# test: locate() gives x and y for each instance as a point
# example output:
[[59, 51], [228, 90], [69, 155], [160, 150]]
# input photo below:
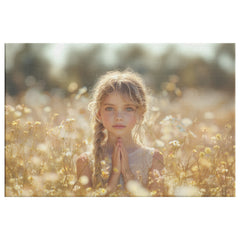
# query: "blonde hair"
[[126, 83]]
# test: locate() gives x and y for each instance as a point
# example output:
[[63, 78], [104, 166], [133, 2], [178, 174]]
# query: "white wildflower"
[[82, 90], [83, 180], [167, 118], [36, 160], [209, 115], [73, 86], [187, 191], [186, 122], [43, 147], [68, 154], [175, 143], [18, 114], [137, 189], [47, 109], [159, 143]]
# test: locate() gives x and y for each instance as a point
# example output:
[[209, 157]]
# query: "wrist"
[[116, 171], [127, 175], [113, 180], [126, 171]]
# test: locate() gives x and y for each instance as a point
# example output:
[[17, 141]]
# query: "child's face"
[[118, 114]]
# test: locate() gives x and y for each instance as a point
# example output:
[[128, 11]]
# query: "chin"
[[119, 134], [123, 135]]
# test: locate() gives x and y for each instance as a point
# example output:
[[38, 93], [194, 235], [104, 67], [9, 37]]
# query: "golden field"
[[194, 130]]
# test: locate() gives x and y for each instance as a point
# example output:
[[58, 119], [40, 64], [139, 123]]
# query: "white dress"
[[140, 161]]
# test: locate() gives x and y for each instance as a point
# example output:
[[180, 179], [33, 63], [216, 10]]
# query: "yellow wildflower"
[[219, 136], [105, 174], [171, 155], [27, 110], [216, 147], [201, 154], [178, 92], [194, 168], [29, 178], [103, 163], [70, 120], [208, 150], [73, 86], [61, 171], [102, 191], [15, 123], [89, 189], [153, 193], [170, 86], [229, 126]]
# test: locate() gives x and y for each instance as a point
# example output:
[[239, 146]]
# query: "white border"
[[124, 21]]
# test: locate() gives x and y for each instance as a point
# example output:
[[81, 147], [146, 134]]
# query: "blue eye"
[[129, 109], [108, 109]]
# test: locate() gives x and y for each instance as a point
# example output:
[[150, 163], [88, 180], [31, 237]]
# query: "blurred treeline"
[[82, 66]]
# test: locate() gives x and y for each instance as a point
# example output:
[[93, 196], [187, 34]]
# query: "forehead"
[[117, 98]]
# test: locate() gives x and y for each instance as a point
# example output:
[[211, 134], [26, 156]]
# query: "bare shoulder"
[[157, 162], [157, 154], [82, 158]]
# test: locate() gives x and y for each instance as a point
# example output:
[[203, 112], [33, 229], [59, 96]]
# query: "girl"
[[118, 109]]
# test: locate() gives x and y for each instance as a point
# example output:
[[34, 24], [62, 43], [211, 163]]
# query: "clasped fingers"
[[116, 158]]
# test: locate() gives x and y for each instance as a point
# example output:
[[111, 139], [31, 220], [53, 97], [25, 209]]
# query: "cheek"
[[107, 117], [132, 119]]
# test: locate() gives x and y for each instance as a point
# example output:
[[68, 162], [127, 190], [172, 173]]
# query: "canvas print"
[[119, 120]]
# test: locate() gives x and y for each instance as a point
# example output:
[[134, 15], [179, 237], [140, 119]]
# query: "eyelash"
[[128, 109], [108, 108]]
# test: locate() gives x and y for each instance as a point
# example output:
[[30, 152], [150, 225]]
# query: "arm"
[[113, 181], [156, 180]]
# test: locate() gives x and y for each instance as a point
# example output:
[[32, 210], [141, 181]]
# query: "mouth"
[[118, 126]]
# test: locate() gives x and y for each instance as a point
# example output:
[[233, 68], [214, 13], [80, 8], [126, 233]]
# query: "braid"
[[98, 151]]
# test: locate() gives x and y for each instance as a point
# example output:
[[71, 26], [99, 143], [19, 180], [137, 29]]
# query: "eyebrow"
[[129, 104]]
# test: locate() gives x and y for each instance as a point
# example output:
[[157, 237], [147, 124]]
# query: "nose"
[[119, 116]]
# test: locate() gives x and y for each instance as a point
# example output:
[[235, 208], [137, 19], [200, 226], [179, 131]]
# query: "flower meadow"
[[194, 129]]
